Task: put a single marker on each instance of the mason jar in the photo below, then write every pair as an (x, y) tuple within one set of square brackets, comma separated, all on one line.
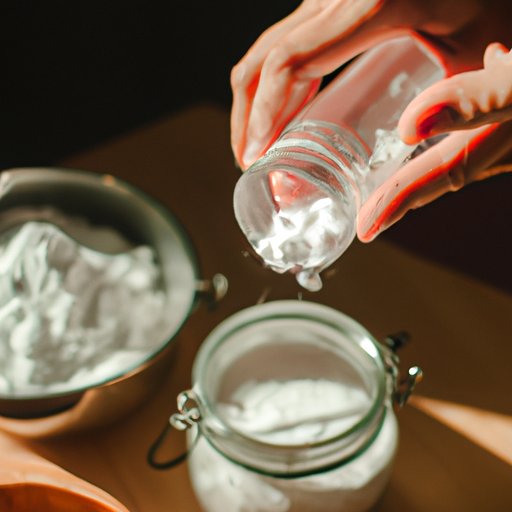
[(291, 410)]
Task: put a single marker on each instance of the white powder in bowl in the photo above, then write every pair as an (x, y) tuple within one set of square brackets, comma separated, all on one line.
[(71, 317)]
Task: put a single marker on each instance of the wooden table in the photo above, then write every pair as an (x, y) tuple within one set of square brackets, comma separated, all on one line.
[(455, 450)]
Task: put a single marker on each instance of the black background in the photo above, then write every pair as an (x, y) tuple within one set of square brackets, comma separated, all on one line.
[(74, 74)]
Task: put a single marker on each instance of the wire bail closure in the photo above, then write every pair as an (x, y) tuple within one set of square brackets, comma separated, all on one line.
[(402, 388), (212, 291), (188, 416)]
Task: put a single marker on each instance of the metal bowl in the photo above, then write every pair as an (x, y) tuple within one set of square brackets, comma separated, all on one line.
[(107, 201)]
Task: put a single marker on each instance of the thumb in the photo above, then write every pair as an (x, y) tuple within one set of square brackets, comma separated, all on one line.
[(460, 158)]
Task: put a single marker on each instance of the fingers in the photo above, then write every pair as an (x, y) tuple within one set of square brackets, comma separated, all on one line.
[(271, 111), (284, 86), (245, 75), (462, 101), (459, 159), (268, 88)]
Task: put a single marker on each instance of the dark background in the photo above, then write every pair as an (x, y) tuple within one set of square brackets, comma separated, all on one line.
[(75, 74)]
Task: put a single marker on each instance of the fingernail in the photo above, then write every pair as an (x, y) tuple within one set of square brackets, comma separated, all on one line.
[(436, 120), (494, 53), (369, 231), (238, 74), (251, 153), (369, 221), (236, 164)]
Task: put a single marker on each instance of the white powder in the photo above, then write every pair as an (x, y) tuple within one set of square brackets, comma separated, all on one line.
[(70, 316), (301, 238), (389, 147), (308, 229), (294, 412), (274, 411), (398, 85)]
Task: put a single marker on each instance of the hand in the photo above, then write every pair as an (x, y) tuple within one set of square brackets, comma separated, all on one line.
[(283, 69), (464, 101)]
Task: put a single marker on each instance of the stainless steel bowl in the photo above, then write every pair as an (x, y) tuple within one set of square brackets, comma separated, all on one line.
[(104, 200)]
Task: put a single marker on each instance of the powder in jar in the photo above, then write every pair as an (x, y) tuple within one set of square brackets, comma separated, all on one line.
[(294, 412)]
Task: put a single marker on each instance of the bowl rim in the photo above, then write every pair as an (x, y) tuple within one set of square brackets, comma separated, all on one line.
[(70, 176)]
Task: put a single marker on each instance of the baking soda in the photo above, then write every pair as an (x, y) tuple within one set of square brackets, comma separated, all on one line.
[(299, 236), (294, 412), (71, 317), (307, 226)]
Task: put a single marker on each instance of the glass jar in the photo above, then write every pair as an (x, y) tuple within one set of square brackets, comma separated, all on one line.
[(291, 410), (297, 205)]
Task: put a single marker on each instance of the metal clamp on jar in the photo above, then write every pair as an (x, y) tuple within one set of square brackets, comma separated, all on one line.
[(291, 410)]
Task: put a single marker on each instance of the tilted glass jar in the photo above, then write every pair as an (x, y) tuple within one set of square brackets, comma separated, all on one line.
[(297, 205), (291, 410)]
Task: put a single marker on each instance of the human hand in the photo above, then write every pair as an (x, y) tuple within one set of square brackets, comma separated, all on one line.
[(458, 104), (282, 71)]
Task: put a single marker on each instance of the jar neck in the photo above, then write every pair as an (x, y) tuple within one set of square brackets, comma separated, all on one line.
[(298, 204), (336, 149)]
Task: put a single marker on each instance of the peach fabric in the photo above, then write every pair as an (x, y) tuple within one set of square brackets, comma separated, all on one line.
[(29, 482)]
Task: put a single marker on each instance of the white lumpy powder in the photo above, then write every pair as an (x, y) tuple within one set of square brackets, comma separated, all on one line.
[(309, 230), (303, 236), (294, 412), (70, 316)]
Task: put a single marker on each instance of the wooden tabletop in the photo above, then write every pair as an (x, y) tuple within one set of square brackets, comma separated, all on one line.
[(455, 450)]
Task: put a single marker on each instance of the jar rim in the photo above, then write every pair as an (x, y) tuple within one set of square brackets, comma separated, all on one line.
[(220, 434)]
